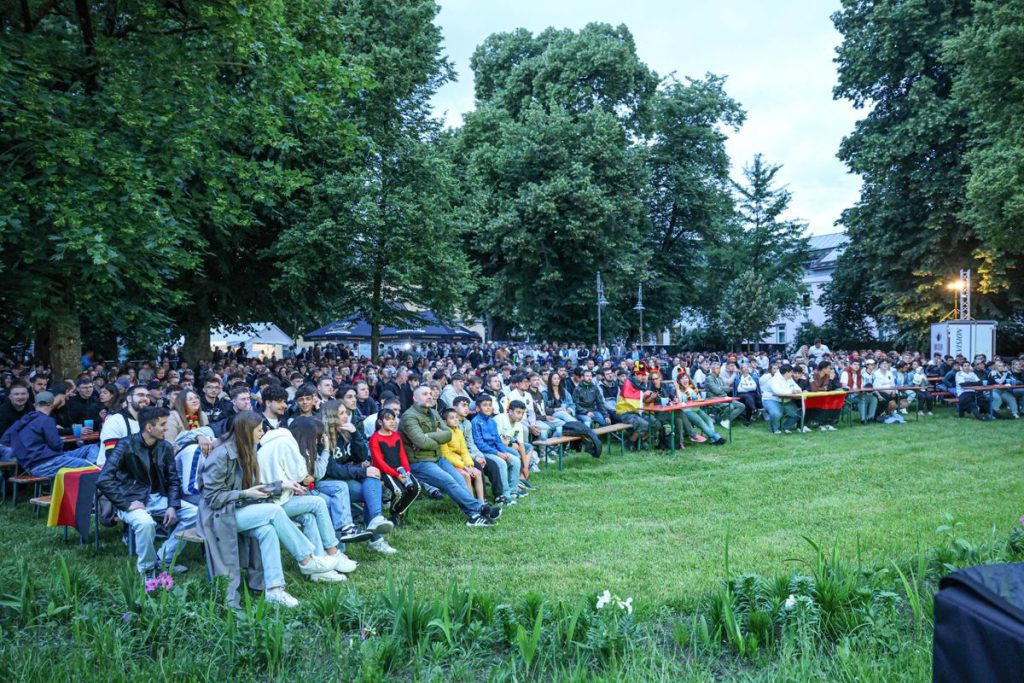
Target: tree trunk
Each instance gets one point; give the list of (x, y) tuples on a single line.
[(498, 328), (374, 339), (196, 327), (65, 337)]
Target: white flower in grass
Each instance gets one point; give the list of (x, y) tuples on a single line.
[(627, 605), (604, 599), (790, 602)]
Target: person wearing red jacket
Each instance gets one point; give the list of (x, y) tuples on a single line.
[(388, 455)]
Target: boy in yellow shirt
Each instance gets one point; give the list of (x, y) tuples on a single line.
[(457, 453)]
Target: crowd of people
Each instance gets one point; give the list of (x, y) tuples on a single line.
[(322, 448)]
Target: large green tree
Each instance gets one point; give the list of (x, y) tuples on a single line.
[(143, 143), (990, 52), (557, 184), (757, 240), (373, 233), (906, 231), (691, 201)]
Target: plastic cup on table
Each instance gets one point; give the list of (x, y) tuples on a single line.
[(76, 430), (703, 395)]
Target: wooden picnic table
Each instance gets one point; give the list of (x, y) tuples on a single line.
[(71, 440), (688, 405)]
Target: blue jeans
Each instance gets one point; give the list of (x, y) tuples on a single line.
[(311, 511), (702, 422), (368, 492), (599, 418), (774, 410), (6, 453), (143, 526), (80, 457), (999, 398), (335, 494), (270, 525), (444, 476)]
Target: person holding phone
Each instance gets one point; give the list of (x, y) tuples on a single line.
[(230, 510)]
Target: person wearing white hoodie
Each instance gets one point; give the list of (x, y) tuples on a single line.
[(281, 462)]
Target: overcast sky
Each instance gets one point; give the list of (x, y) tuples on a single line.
[(777, 56)]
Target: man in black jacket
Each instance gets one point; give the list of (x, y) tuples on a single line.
[(16, 406), (140, 479)]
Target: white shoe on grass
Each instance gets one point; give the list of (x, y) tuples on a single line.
[(342, 563), (317, 565), (381, 546), (279, 596), (328, 577), (725, 424), (379, 525)]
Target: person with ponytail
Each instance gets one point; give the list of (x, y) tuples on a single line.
[(233, 511)]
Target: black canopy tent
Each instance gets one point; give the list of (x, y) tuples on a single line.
[(423, 326)]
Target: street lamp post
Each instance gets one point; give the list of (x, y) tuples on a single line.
[(601, 303), (640, 309)]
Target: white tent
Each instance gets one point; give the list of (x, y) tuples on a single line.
[(260, 339)]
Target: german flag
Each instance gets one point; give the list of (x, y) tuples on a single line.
[(64, 497), (630, 398)]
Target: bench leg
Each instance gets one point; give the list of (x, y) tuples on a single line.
[(561, 450)]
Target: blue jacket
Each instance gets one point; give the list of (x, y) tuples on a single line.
[(485, 435), (34, 439)]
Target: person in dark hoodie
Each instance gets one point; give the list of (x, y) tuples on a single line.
[(14, 407), (37, 445), (85, 404)]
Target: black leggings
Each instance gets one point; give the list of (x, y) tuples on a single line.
[(749, 399), (402, 496)]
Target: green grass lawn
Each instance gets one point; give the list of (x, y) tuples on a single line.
[(651, 526), (654, 525)]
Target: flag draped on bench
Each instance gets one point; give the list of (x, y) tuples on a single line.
[(64, 498)]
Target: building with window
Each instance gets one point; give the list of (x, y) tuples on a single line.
[(823, 253)]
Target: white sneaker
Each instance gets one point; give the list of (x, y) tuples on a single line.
[(823, 428), (379, 525), (342, 563), (279, 596), (831, 428), (931, 414), (381, 546), (534, 467), (725, 424), (903, 411), (805, 430), (317, 565), (328, 577)]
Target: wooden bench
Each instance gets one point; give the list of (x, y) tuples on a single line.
[(40, 502), (559, 443), (29, 480), (615, 431)]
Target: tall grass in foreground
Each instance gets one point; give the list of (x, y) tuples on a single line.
[(829, 618)]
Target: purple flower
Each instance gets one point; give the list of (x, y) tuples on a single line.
[(1021, 520), (152, 585), (165, 581)]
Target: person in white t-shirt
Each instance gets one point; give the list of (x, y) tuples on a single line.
[(817, 351), (780, 401), (123, 423)]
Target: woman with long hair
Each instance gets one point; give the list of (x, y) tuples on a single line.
[(186, 416), (310, 436), (349, 462), (688, 392), (110, 400), (559, 400), (233, 504), (283, 466)]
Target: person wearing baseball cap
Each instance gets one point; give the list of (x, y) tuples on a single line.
[(37, 445)]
